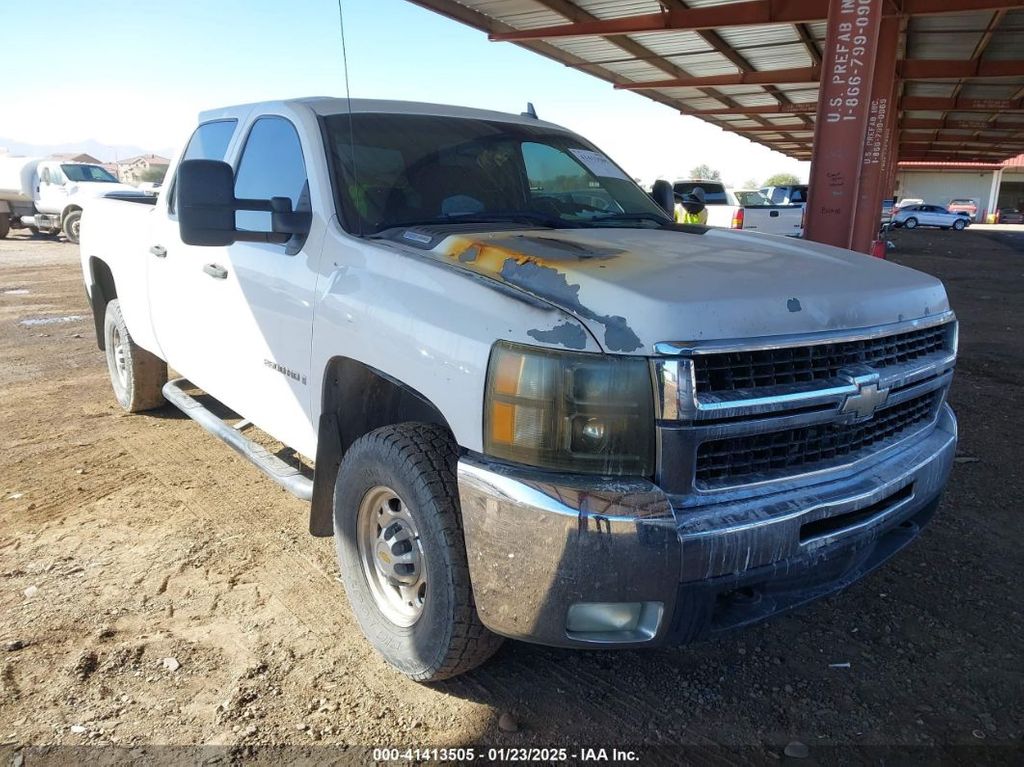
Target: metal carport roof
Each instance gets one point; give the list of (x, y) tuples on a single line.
[(753, 66)]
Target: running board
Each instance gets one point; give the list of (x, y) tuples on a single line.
[(288, 477)]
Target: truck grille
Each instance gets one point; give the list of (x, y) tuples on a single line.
[(727, 371), (766, 456)]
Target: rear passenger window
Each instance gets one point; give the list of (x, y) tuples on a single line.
[(714, 192), (271, 166), (209, 142)]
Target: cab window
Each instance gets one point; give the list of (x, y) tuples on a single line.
[(271, 166), (209, 142)]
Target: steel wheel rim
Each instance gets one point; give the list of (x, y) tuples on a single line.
[(75, 227), (391, 555), (119, 356)]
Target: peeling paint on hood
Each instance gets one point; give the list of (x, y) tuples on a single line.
[(633, 288)]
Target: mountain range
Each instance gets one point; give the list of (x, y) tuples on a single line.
[(99, 150)]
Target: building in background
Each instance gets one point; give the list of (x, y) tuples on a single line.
[(145, 167), (992, 185)]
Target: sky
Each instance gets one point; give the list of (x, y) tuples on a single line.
[(139, 71)]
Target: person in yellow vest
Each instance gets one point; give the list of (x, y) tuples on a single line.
[(691, 208)]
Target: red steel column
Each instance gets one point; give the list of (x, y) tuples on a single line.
[(878, 138), (847, 68)]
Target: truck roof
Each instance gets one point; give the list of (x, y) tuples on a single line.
[(327, 105)]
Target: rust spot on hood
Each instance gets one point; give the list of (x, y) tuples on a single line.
[(532, 266)]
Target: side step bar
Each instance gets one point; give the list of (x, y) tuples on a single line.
[(288, 477)]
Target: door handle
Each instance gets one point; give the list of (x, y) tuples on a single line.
[(216, 271), (773, 213), (158, 250)]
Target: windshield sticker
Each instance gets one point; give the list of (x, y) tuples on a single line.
[(417, 237), (598, 164)]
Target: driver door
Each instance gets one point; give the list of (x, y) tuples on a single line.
[(53, 191)]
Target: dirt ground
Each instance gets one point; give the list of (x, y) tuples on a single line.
[(156, 589)]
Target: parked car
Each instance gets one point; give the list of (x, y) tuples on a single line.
[(913, 216), (726, 210), (964, 205), (528, 418), (1009, 216)]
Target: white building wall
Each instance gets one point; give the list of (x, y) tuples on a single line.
[(938, 187)]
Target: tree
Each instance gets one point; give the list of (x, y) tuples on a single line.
[(782, 179), (751, 184), (705, 173), (154, 174)]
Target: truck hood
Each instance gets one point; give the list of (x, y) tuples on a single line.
[(634, 288), (97, 189)]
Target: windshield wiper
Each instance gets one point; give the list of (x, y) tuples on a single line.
[(662, 220), (487, 217)]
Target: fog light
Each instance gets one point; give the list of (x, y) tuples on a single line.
[(614, 621), (603, 616)]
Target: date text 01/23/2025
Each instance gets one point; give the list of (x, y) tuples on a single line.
[(505, 754)]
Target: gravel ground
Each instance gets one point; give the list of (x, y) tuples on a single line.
[(156, 590)]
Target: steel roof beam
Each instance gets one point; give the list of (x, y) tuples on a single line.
[(767, 77), (926, 123), (939, 104), (911, 69), (742, 14), (938, 69)]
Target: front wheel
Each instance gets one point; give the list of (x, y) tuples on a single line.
[(910, 223), (73, 225), (136, 375), (398, 534), (5, 225), (959, 225)]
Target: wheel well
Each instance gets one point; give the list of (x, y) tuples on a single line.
[(101, 293), (356, 400)]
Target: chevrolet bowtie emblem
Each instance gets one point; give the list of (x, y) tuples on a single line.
[(866, 401)]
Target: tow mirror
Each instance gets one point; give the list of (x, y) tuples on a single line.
[(663, 195), (206, 207)]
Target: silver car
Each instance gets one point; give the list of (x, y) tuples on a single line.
[(913, 216)]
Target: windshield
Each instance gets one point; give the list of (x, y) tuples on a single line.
[(399, 170), (962, 202), (88, 173)]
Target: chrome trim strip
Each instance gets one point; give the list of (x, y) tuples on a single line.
[(761, 421), (837, 469), (677, 348)]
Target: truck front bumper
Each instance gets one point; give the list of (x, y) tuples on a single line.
[(579, 562)]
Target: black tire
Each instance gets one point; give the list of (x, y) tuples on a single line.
[(72, 226), (136, 375), (910, 223), (418, 462), (959, 225), (5, 225)]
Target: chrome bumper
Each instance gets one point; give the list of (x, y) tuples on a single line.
[(541, 543)]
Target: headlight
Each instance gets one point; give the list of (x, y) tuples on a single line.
[(569, 412)]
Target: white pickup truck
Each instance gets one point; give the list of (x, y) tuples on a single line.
[(725, 209), (535, 407)]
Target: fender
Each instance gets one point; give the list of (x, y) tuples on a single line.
[(101, 292), (357, 399)]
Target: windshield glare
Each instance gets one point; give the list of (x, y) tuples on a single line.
[(88, 173), (399, 170)]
